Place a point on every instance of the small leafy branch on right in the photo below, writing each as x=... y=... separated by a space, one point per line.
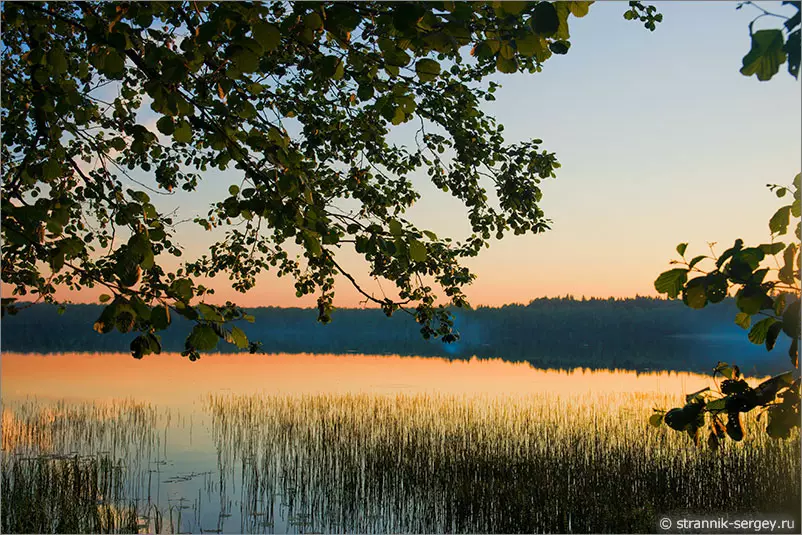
x=778 y=397
x=771 y=292
x=769 y=47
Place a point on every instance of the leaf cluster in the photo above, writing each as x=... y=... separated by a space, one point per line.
x=765 y=279
x=770 y=48
x=778 y=398
x=770 y=292
x=297 y=101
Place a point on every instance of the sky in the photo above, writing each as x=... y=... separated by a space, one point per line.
x=661 y=141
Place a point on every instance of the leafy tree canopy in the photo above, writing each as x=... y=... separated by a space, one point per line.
x=299 y=100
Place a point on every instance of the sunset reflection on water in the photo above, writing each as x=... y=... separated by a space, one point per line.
x=172 y=379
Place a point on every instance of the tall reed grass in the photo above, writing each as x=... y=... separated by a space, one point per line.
x=429 y=463
x=549 y=462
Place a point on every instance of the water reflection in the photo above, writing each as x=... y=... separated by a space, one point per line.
x=301 y=443
x=172 y=379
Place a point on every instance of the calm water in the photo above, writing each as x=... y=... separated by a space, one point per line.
x=303 y=443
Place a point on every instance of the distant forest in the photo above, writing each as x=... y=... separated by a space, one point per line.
x=639 y=333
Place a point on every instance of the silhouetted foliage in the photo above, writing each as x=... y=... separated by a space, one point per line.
x=298 y=101
x=764 y=287
x=770 y=289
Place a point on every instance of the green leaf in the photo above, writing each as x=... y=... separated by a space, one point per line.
x=427 y=69
x=698 y=395
x=313 y=21
x=140 y=346
x=332 y=67
x=681 y=248
x=752 y=299
x=772 y=334
x=560 y=47
x=113 y=64
x=203 y=338
x=655 y=420
x=744 y=262
x=760 y=329
x=513 y=7
x=791 y=318
x=717 y=404
x=417 y=251
x=579 y=9
x=766 y=55
x=104 y=298
x=56 y=60
x=166 y=125
x=545 y=20
x=533 y=45
x=777 y=382
x=729 y=252
x=365 y=92
x=160 y=317
x=209 y=313
x=509 y=66
x=696 y=260
x=312 y=243
x=239 y=338
x=268 y=35
x=507 y=50
x=105 y=323
x=725 y=369
x=142 y=310
x=51 y=169
x=786 y=273
x=778 y=224
x=772 y=248
x=716 y=287
x=694 y=294
x=246 y=60
x=743 y=320
x=182 y=289
x=183 y=132
x=125 y=318
x=671 y=282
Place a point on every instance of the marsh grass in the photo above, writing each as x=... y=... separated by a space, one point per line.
x=543 y=463
x=54 y=494
x=78 y=467
x=548 y=462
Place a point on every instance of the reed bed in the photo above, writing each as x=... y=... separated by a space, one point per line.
x=363 y=463
x=79 y=467
x=541 y=463
x=58 y=494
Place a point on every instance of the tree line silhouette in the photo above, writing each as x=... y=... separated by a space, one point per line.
x=638 y=333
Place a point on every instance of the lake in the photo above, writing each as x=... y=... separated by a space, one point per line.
x=356 y=443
